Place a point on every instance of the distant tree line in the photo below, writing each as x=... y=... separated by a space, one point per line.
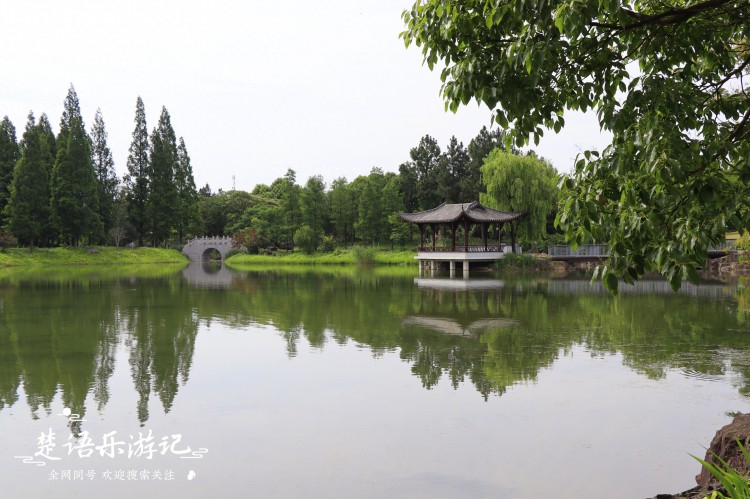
x=364 y=211
x=63 y=190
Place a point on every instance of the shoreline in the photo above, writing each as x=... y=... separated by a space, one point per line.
x=89 y=255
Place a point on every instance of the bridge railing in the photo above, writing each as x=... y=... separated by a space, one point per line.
x=602 y=251
x=582 y=250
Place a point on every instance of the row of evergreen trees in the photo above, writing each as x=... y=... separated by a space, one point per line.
x=64 y=189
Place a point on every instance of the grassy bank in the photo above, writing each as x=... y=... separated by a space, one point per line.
x=88 y=256
x=351 y=256
x=86 y=274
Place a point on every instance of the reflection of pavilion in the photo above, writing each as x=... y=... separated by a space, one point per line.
x=452 y=327
x=458 y=284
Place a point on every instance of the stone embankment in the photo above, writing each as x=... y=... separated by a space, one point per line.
x=733 y=264
x=723 y=445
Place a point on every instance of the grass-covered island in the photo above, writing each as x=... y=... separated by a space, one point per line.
x=369 y=255
x=98 y=255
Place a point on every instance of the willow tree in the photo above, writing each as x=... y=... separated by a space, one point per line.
x=668 y=79
x=520 y=183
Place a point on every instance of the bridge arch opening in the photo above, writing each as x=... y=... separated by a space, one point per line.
x=211 y=254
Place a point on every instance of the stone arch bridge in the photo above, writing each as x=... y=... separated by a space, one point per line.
x=199 y=248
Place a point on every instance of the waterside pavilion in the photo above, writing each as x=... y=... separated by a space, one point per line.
x=468 y=216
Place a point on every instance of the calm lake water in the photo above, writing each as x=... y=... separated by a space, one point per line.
x=336 y=382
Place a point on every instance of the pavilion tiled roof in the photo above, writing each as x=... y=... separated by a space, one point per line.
x=474 y=212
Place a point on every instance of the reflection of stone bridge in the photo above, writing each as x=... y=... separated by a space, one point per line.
x=208 y=275
x=199 y=249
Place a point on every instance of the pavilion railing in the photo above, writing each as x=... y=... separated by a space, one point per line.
x=475 y=248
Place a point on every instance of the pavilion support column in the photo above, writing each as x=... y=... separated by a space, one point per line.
x=432 y=226
x=484 y=236
x=465 y=266
x=421 y=268
x=421 y=238
x=453 y=236
x=453 y=268
x=466 y=236
x=500 y=236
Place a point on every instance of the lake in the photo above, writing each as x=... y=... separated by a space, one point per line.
x=158 y=381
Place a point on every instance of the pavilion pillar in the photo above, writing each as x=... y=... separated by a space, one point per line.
x=421 y=239
x=453 y=268
x=432 y=226
x=453 y=236
x=484 y=235
x=500 y=236
x=466 y=236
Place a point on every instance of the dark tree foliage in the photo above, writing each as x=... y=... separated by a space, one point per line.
x=162 y=198
x=205 y=191
x=341 y=206
x=75 y=196
x=313 y=205
x=9 y=155
x=104 y=168
x=667 y=79
x=407 y=186
x=226 y=213
x=136 y=180
x=479 y=149
x=48 y=145
x=187 y=197
x=425 y=159
x=287 y=192
x=452 y=169
x=28 y=206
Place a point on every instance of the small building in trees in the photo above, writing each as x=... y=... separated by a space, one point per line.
x=475 y=221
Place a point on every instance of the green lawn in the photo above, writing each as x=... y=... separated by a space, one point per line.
x=88 y=256
x=337 y=257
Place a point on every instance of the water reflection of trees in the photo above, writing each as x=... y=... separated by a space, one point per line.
x=62 y=336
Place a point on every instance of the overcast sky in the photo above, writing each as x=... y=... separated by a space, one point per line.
x=254 y=87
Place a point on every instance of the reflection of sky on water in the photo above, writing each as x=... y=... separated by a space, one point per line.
x=315 y=384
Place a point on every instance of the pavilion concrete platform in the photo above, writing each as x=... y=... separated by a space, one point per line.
x=433 y=260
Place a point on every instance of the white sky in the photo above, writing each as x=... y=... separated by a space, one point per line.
x=255 y=87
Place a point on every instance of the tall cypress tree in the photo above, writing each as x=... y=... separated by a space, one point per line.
x=48 y=145
x=75 y=200
x=104 y=169
x=162 y=200
x=28 y=206
x=9 y=155
x=479 y=148
x=136 y=180
x=187 y=196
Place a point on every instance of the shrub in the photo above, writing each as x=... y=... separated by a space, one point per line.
x=517 y=261
x=7 y=240
x=327 y=244
x=364 y=255
x=247 y=239
x=306 y=239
